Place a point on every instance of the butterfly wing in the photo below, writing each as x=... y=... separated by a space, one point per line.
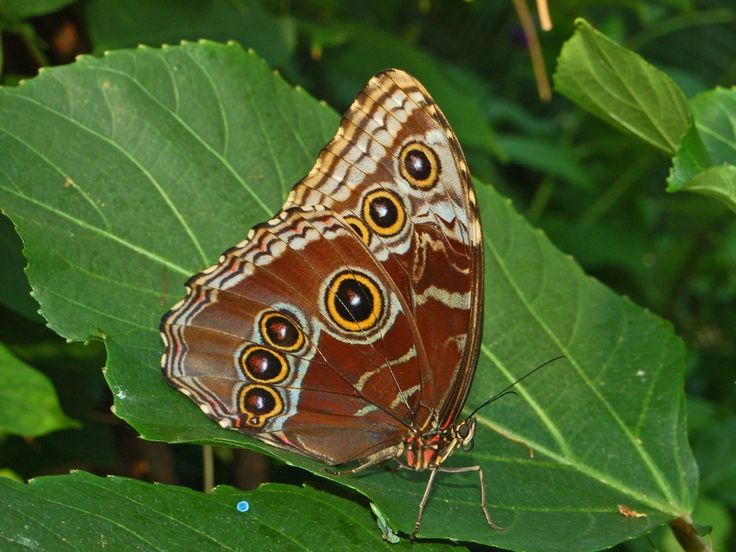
x=352 y=319
x=299 y=336
x=396 y=173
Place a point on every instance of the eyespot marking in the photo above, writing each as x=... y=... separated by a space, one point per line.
x=280 y=332
x=259 y=403
x=419 y=165
x=263 y=365
x=359 y=227
x=353 y=301
x=384 y=212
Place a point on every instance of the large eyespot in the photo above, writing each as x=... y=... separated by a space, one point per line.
x=259 y=403
x=280 y=332
x=263 y=365
x=383 y=212
x=353 y=301
x=419 y=165
x=359 y=227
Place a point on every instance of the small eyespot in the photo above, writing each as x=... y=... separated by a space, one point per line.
x=258 y=403
x=278 y=331
x=263 y=365
x=384 y=213
x=419 y=165
x=359 y=227
x=353 y=301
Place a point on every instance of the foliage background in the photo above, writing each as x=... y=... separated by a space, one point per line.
x=598 y=193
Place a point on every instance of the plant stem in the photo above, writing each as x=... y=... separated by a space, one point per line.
x=208 y=468
x=688 y=537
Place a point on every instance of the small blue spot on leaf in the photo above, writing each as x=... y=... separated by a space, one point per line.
x=243 y=506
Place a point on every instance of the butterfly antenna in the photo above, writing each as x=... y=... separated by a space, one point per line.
x=507 y=390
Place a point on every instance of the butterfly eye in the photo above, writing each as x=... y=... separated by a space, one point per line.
x=419 y=165
x=262 y=365
x=384 y=213
x=353 y=301
x=359 y=228
x=280 y=332
x=259 y=403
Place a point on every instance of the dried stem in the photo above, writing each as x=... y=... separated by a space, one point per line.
x=532 y=40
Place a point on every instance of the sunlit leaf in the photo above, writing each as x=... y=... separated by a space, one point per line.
x=618 y=86
x=80 y=511
x=28 y=402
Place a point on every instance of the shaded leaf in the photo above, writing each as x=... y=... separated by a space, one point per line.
x=28 y=403
x=81 y=511
x=157 y=176
x=618 y=86
x=128 y=23
x=547 y=158
x=15 y=293
x=23 y=9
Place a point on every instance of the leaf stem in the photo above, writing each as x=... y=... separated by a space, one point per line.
x=688 y=537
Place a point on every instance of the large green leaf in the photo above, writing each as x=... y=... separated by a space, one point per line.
x=28 y=402
x=80 y=511
x=141 y=167
x=618 y=86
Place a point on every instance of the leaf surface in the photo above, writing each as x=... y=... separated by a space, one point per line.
x=81 y=511
x=169 y=156
x=706 y=157
x=618 y=86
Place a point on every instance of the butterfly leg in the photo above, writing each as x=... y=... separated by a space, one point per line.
x=478 y=469
x=381 y=456
x=423 y=503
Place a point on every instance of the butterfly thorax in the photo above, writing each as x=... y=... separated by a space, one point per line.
x=427 y=450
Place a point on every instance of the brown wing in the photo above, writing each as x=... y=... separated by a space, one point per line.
x=299 y=336
x=396 y=173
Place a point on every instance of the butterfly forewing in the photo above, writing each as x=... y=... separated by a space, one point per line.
x=436 y=256
x=351 y=320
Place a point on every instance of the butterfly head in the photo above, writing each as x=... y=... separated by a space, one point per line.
x=464 y=433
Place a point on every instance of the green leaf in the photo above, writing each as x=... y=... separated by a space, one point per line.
x=15 y=293
x=128 y=23
x=706 y=157
x=716 y=182
x=715 y=118
x=156 y=176
x=117 y=513
x=28 y=403
x=618 y=86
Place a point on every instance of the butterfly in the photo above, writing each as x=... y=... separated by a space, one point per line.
x=347 y=328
